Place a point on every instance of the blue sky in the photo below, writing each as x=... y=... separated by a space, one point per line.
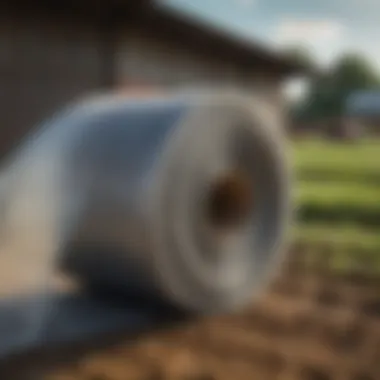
x=325 y=27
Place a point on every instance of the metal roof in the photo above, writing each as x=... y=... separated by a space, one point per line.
x=364 y=103
x=253 y=50
x=193 y=31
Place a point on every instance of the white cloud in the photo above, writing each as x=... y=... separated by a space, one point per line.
x=323 y=37
x=309 y=31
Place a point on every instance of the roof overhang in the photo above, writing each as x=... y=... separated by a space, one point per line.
x=247 y=50
x=188 y=29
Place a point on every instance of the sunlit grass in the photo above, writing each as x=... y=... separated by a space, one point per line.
x=337 y=193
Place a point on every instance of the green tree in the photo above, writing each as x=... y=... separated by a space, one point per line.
x=329 y=91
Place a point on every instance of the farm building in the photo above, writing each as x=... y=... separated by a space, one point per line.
x=363 y=110
x=53 y=51
x=364 y=104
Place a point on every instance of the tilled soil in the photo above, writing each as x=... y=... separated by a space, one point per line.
x=308 y=326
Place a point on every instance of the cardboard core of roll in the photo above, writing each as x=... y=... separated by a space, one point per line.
x=230 y=201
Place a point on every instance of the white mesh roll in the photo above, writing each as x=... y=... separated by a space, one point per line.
x=119 y=192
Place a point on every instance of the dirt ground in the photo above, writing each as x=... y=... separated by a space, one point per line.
x=310 y=325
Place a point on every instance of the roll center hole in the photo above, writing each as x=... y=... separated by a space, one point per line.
x=230 y=201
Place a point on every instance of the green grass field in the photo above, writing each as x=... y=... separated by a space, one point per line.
x=338 y=196
x=350 y=158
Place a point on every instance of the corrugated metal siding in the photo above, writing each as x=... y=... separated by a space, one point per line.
x=148 y=59
x=141 y=55
x=47 y=60
x=141 y=58
x=44 y=62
